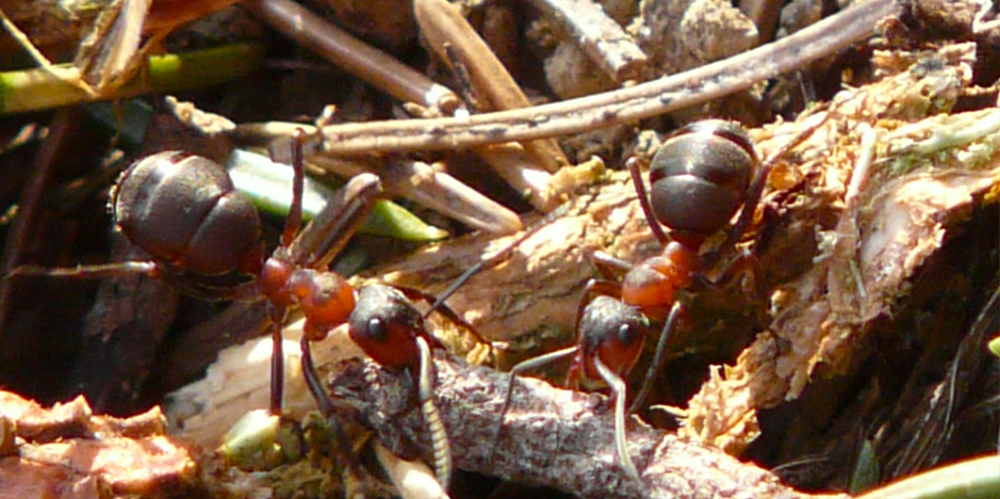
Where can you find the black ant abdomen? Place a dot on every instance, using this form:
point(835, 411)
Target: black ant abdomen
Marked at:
point(700, 176)
point(185, 212)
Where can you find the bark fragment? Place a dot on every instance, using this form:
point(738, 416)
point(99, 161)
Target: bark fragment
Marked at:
point(552, 437)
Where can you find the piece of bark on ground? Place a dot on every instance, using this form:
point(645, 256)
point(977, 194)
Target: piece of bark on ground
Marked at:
point(69, 451)
point(553, 437)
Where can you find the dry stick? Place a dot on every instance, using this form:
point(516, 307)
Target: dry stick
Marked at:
point(63, 123)
point(440, 23)
point(430, 187)
point(424, 184)
point(600, 37)
point(765, 15)
point(526, 169)
point(402, 82)
point(371, 65)
point(621, 106)
point(552, 437)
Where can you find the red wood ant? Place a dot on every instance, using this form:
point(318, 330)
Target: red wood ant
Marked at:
point(204, 236)
point(700, 177)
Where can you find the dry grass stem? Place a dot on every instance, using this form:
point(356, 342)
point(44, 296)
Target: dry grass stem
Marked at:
point(602, 110)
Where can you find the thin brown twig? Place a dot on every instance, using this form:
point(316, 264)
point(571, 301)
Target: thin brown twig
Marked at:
point(621, 106)
point(30, 203)
point(526, 167)
point(764, 14)
point(441, 23)
point(368, 63)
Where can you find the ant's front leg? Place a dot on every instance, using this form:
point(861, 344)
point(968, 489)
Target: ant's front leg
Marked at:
point(449, 313)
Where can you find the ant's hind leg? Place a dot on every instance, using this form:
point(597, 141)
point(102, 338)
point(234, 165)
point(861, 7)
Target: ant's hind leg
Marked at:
point(277, 359)
point(313, 381)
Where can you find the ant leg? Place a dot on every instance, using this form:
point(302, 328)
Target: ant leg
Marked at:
point(114, 269)
point(311, 376)
point(760, 180)
point(498, 256)
point(326, 235)
point(522, 366)
point(445, 310)
point(610, 267)
point(661, 349)
point(617, 385)
point(276, 314)
point(291, 151)
point(441, 448)
point(325, 405)
point(640, 189)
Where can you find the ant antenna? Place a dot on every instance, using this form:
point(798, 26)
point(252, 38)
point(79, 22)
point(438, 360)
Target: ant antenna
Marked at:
point(497, 257)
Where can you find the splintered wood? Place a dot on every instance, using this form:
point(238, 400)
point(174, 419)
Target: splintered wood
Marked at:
point(899, 219)
point(599, 36)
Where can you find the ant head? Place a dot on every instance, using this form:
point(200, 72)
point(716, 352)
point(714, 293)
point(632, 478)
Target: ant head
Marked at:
point(385, 325)
point(613, 331)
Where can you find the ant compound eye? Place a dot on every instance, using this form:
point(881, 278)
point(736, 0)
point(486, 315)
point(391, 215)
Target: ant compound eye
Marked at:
point(377, 330)
point(627, 334)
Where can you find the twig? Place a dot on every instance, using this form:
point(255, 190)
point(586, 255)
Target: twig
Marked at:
point(370, 64)
point(438, 190)
point(621, 106)
point(435, 189)
point(764, 14)
point(410, 86)
point(600, 37)
point(526, 170)
point(62, 124)
point(441, 23)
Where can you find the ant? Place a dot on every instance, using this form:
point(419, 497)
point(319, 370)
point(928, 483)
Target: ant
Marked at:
point(204, 236)
point(700, 177)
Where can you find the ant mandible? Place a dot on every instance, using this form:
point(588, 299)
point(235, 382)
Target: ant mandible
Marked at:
point(204, 236)
point(700, 177)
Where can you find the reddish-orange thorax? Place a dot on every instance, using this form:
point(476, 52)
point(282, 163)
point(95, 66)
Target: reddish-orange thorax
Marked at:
point(652, 284)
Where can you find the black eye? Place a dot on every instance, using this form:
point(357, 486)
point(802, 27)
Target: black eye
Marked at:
point(627, 334)
point(377, 330)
